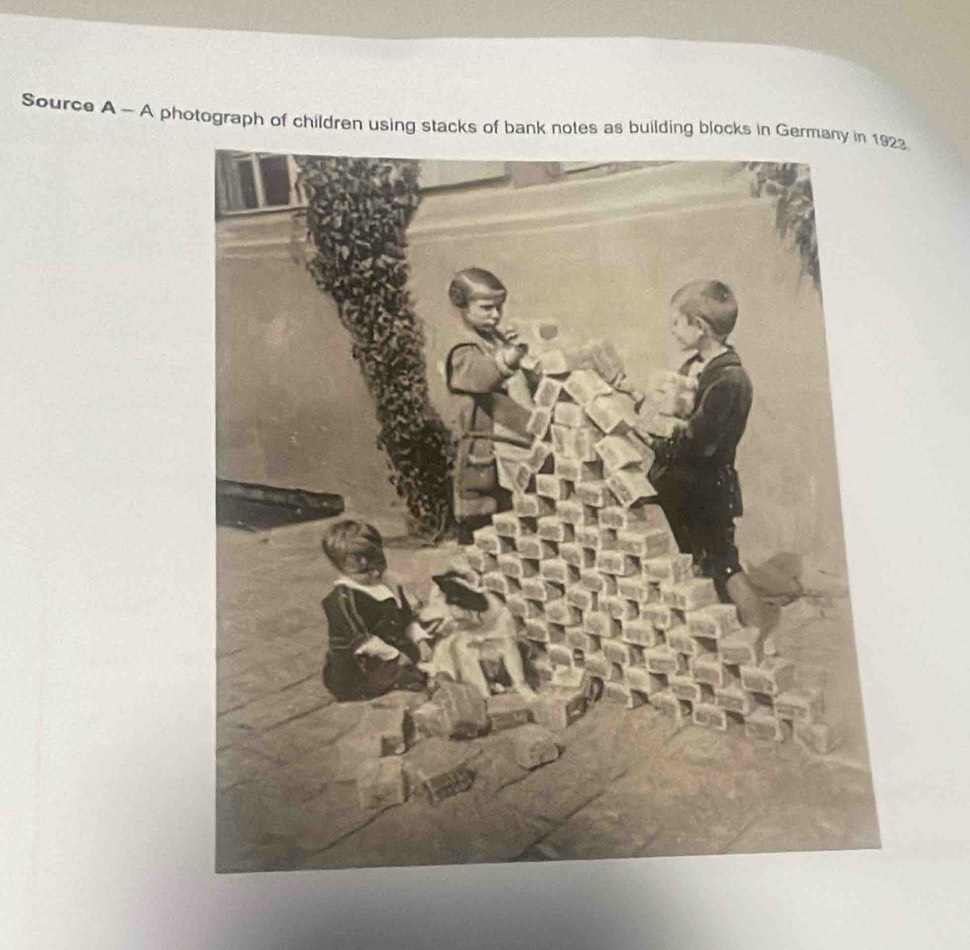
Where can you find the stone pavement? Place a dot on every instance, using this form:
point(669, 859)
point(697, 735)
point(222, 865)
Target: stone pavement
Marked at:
point(629, 782)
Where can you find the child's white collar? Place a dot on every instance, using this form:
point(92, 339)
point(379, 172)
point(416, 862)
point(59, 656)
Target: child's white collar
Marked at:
point(376, 591)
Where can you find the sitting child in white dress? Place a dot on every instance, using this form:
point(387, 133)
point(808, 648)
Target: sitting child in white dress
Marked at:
point(476, 642)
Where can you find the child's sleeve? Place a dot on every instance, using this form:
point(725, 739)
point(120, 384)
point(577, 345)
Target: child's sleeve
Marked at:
point(712, 422)
point(375, 646)
point(413, 631)
point(347, 631)
point(469, 370)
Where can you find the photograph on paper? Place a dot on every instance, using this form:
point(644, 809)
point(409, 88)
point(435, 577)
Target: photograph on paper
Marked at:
point(529, 540)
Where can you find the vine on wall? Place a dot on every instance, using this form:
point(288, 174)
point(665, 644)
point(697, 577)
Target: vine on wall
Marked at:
point(791, 187)
point(358, 210)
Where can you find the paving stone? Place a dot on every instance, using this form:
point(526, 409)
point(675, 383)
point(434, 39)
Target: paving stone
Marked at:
point(235, 691)
point(239, 661)
point(640, 736)
point(252, 682)
point(495, 767)
point(614, 825)
point(862, 828)
point(255, 829)
point(304, 779)
point(821, 737)
point(469, 828)
point(784, 830)
point(726, 751)
point(321, 727)
point(534, 746)
point(235, 641)
point(277, 653)
point(316, 770)
point(325, 821)
point(698, 812)
point(586, 766)
point(400, 698)
point(237, 765)
point(628, 781)
point(279, 707)
point(229, 736)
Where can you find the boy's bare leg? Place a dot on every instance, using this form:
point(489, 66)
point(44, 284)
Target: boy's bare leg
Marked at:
point(470, 669)
point(751, 608)
point(513, 665)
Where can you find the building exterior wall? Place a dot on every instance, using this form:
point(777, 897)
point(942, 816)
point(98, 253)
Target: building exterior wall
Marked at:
point(291, 407)
point(599, 255)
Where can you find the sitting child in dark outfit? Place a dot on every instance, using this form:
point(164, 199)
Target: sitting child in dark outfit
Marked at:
point(374, 638)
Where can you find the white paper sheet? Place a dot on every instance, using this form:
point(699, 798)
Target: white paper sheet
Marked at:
point(108, 585)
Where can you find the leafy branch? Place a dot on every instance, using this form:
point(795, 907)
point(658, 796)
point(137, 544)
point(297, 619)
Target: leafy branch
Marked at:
point(358, 211)
point(791, 187)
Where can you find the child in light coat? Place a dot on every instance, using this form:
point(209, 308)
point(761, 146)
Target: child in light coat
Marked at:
point(477, 643)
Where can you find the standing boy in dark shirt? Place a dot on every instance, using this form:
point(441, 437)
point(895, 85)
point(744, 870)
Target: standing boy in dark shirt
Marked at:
point(693, 473)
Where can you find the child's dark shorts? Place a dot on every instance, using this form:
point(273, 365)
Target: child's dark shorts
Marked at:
point(701, 518)
point(350, 677)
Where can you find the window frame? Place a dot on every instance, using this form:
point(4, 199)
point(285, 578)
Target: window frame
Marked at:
point(223, 195)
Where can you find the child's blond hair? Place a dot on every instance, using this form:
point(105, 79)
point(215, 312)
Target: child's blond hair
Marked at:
point(353, 539)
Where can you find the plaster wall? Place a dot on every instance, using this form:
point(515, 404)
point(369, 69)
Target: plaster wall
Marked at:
point(601, 256)
point(291, 406)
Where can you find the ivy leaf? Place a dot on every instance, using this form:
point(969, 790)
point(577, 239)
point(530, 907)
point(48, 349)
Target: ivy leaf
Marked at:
point(357, 215)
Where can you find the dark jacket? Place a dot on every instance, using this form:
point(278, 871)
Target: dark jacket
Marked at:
point(353, 617)
point(697, 466)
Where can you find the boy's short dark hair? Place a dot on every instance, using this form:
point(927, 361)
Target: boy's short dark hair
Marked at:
point(349, 538)
point(711, 301)
point(474, 282)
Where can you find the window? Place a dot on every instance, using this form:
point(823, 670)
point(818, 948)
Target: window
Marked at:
point(254, 181)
